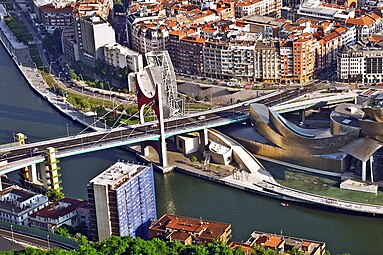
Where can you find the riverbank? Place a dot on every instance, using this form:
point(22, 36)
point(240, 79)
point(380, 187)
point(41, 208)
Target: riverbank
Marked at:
point(23, 61)
point(251, 183)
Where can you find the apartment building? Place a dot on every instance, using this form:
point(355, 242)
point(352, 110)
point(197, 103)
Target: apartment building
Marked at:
point(56, 17)
point(229, 59)
point(360, 63)
point(120, 56)
point(85, 8)
point(92, 33)
point(261, 7)
point(148, 35)
point(17, 204)
point(327, 50)
point(69, 45)
point(347, 35)
point(303, 58)
point(189, 230)
point(351, 64)
point(267, 61)
point(122, 201)
point(366, 25)
point(186, 52)
point(297, 58)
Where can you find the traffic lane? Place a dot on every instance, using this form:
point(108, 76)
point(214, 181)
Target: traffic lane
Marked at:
point(123, 134)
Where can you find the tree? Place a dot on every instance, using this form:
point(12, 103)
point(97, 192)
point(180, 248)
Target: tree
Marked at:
point(193, 158)
point(63, 231)
point(54, 195)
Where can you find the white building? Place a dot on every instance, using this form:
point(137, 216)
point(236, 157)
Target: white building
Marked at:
point(122, 57)
point(220, 154)
point(361, 64)
point(234, 58)
point(64, 211)
point(17, 204)
point(261, 7)
point(347, 35)
point(92, 33)
point(187, 143)
point(318, 10)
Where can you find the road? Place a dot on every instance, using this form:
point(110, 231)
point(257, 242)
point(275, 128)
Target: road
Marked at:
point(29, 240)
point(91, 139)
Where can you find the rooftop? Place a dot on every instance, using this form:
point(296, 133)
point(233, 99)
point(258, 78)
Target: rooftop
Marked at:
point(203, 229)
point(59, 208)
point(118, 174)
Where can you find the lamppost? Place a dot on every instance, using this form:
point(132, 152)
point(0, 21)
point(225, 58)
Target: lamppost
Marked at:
point(67, 129)
point(110, 91)
point(49, 247)
point(50, 67)
point(13, 238)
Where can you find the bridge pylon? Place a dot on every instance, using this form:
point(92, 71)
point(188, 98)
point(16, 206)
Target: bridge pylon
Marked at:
point(150, 92)
point(50, 170)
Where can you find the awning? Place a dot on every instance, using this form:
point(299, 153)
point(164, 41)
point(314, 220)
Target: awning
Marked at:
point(362, 148)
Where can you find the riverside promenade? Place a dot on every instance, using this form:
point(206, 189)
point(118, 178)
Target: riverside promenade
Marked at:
point(21, 57)
point(255, 178)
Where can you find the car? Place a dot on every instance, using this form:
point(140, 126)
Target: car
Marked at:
point(201, 117)
point(246, 104)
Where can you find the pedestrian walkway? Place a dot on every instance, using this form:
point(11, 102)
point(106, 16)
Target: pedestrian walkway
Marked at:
point(310, 198)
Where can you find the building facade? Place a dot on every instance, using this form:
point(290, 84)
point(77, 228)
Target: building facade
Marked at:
point(16, 204)
point(56, 17)
point(122, 201)
point(92, 33)
point(357, 63)
point(64, 211)
point(120, 56)
point(186, 53)
point(261, 7)
point(267, 61)
point(189, 230)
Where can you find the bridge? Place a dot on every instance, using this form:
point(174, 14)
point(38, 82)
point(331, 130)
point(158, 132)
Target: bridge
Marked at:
point(19, 156)
point(315, 103)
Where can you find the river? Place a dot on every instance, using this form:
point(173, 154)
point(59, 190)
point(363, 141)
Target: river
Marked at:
point(21, 110)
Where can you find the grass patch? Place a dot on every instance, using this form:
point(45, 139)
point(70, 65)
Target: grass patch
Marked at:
point(35, 55)
point(327, 187)
point(19, 29)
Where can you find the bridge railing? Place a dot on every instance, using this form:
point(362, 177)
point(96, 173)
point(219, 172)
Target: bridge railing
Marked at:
point(63, 242)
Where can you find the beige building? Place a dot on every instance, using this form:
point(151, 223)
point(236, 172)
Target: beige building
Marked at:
point(261, 7)
point(120, 56)
point(267, 61)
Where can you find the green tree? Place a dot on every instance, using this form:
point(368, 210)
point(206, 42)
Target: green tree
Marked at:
point(54, 195)
point(219, 248)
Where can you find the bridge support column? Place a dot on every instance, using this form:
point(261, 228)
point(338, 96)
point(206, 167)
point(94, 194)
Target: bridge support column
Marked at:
point(163, 155)
point(203, 140)
point(145, 151)
point(50, 170)
point(30, 174)
point(372, 173)
point(303, 116)
point(364, 167)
